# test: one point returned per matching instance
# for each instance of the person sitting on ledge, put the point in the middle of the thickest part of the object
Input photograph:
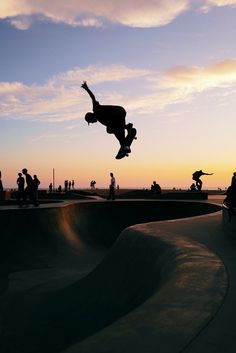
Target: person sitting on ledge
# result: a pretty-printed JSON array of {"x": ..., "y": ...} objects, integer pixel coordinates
[
  {"x": 192, "y": 187},
  {"x": 155, "y": 188}
]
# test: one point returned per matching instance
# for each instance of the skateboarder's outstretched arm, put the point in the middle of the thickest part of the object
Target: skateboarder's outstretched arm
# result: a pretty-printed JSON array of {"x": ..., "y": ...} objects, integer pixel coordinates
[
  {"x": 92, "y": 96},
  {"x": 208, "y": 173}
]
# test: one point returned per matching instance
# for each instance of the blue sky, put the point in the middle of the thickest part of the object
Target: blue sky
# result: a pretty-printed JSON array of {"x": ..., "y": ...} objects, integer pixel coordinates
[{"x": 171, "y": 64}]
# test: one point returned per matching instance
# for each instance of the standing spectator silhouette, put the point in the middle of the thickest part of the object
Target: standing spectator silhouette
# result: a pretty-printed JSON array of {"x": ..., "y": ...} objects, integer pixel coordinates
[
  {"x": 112, "y": 187},
  {"x": 21, "y": 187},
  {"x": 196, "y": 177},
  {"x": 73, "y": 184},
  {"x": 36, "y": 183},
  {"x": 50, "y": 187},
  {"x": 29, "y": 190}
]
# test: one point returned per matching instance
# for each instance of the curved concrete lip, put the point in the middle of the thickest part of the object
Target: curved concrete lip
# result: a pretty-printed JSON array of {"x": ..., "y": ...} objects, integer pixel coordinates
[{"x": 154, "y": 288}]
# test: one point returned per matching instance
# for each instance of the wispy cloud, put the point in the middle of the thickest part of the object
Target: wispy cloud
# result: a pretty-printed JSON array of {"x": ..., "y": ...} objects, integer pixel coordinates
[
  {"x": 196, "y": 78},
  {"x": 208, "y": 4},
  {"x": 62, "y": 99}
]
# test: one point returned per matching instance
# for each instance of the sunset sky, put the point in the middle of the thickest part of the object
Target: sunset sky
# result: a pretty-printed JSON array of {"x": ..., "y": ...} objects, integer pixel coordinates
[{"x": 170, "y": 63}]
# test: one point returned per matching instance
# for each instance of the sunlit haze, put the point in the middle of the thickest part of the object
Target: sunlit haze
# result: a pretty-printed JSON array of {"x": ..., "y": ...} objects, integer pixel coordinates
[{"x": 170, "y": 63}]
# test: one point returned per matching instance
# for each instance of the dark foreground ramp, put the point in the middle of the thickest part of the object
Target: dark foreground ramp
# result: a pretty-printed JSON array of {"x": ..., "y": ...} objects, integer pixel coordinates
[{"x": 58, "y": 288}]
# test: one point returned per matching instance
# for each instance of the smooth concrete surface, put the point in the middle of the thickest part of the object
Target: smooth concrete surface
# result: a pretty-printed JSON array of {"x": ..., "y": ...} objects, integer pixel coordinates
[
  {"x": 229, "y": 219},
  {"x": 69, "y": 275}
]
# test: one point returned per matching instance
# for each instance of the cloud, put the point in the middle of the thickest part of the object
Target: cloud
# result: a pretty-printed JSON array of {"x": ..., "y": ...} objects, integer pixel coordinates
[
  {"x": 62, "y": 99},
  {"x": 221, "y": 74},
  {"x": 208, "y": 4},
  {"x": 133, "y": 13},
  {"x": 220, "y": 3}
]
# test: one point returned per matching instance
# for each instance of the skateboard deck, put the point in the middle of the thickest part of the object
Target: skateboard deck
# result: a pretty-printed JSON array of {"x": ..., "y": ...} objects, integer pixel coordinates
[{"x": 128, "y": 142}]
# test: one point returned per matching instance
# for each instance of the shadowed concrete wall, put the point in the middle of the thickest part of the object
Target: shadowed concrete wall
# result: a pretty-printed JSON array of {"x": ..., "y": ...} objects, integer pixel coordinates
[
  {"x": 27, "y": 233},
  {"x": 229, "y": 218},
  {"x": 142, "y": 263}
]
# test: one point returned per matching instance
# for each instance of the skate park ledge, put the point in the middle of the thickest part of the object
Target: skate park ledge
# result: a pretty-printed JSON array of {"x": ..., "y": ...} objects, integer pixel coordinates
[{"x": 153, "y": 290}]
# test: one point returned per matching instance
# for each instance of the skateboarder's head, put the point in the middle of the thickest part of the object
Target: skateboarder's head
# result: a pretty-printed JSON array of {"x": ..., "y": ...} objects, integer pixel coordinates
[
  {"x": 90, "y": 118},
  {"x": 24, "y": 171}
]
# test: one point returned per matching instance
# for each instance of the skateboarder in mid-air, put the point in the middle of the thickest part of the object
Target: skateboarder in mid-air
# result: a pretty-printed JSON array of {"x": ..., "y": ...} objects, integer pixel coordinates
[
  {"x": 113, "y": 117},
  {"x": 196, "y": 178}
]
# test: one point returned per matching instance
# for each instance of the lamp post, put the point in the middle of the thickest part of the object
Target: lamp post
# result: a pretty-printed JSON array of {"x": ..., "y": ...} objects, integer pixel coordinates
[{"x": 53, "y": 179}]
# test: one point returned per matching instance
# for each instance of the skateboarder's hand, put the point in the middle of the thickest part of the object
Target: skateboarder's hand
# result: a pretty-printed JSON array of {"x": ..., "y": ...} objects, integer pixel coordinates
[{"x": 84, "y": 85}]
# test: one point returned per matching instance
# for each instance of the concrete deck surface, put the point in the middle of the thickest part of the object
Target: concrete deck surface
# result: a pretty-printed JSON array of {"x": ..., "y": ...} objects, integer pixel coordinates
[{"x": 73, "y": 267}]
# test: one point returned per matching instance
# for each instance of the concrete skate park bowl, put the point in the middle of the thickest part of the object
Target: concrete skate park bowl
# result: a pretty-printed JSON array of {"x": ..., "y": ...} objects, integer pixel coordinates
[{"x": 101, "y": 276}]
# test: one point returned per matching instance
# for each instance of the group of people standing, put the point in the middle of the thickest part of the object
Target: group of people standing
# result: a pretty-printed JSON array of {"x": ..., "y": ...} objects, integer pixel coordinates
[{"x": 27, "y": 188}]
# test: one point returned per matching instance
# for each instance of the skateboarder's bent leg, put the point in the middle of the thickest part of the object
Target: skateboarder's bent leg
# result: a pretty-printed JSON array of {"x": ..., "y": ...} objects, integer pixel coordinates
[{"x": 120, "y": 135}]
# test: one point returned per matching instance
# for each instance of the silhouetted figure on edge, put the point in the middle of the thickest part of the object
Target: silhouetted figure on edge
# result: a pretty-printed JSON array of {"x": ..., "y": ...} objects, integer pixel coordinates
[
  {"x": 155, "y": 188},
  {"x": 233, "y": 180},
  {"x": 50, "y": 187},
  {"x": 112, "y": 116},
  {"x": 29, "y": 189},
  {"x": 21, "y": 189},
  {"x": 196, "y": 177},
  {"x": 230, "y": 200},
  {"x": 1, "y": 186},
  {"x": 112, "y": 187}
]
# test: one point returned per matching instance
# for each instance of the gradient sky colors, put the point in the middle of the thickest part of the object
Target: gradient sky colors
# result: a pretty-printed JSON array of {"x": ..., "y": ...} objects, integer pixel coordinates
[{"x": 170, "y": 63}]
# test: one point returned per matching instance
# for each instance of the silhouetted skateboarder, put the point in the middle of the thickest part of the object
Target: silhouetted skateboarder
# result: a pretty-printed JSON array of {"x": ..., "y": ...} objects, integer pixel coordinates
[
  {"x": 113, "y": 117},
  {"x": 196, "y": 178}
]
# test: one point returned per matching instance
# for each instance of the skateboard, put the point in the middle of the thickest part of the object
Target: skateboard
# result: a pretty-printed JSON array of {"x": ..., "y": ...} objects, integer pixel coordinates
[{"x": 128, "y": 142}]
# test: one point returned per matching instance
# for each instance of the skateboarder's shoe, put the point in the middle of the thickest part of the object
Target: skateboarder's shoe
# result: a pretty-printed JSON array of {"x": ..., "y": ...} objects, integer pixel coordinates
[
  {"x": 124, "y": 151},
  {"x": 129, "y": 128},
  {"x": 127, "y": 149},
  {"x": 121, "y": 155}
]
